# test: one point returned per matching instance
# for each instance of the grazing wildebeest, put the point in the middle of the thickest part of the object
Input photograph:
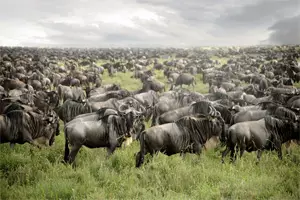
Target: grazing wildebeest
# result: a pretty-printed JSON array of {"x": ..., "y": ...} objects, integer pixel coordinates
[
  {"x": 268, "y": 133},
  {"x": 188, "y": 134},
  {"x": 109, "y": 131},
  {"x": 184, "y": 79},
  {"x": 19, "y": 126}
]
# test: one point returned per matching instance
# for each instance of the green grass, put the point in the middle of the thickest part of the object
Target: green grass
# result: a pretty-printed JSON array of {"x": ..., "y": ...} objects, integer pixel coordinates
[
  {"x": 29, "y": 173},
  {"x": 133, "y": 84}
]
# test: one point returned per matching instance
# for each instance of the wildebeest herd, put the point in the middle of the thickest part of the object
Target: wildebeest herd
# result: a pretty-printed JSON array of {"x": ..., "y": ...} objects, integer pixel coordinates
[{"x": 252, "y": 103}]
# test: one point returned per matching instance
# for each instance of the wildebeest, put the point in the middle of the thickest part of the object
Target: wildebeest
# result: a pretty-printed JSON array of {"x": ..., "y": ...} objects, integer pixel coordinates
[
  {"x": 184, "y": 79},
  {"x": 265, "y": 134},
  {"x": 70, "y": 109},
  {"x": 200, "y": 107},
  {"x": 188, "y": 134},
  {"x": 109, "y": 131},
  {"x": 19, "y": 126},
  {"x": 170, "y": 102},
  {"x": 118, "y": 94}
]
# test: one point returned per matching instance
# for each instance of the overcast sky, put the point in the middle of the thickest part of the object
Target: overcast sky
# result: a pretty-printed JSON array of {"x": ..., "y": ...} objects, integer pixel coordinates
[{"x": 148, "y": 23}]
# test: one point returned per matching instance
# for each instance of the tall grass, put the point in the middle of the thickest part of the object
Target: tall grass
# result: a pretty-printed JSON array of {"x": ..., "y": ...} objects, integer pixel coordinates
[{"x": 30, "y": 173}]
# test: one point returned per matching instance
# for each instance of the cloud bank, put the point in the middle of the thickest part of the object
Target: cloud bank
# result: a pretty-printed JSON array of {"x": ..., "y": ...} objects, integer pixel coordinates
[{"x": 148, "y": 23}]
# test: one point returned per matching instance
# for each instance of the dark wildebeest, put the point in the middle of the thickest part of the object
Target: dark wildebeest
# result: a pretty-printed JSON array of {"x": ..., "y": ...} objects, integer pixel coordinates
[
  {"x": 188, "y": 134},
  {"x": 152, "y": 84},
  {"x": 268, "y": 133},
  {"x": 171, "y": 102},
  {"x": 19, "y": 126},
  {"x": 10, "y": 84},
  {"x": 148, "y": 100},
  {"x": 103, "y": 89},
  {"x": 109, "y": 131},
  {"x": 201, "y": 107},
  {"x": 118, "y": 94},
  {"x": 70, "y": 109},
  {"x": 184, "y": 79}
]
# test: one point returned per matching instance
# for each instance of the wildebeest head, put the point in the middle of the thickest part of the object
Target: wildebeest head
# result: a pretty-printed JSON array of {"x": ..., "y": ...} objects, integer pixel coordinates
[
  {"x": 219, "y": 122},
  {"x": 130, "y": 115},
  {"x": 51, "y": 122}
]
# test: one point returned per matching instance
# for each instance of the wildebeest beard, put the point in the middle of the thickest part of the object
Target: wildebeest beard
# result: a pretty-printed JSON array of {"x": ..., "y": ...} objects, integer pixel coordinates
[
  {"x": 196, "y": 130},
  {"x": 118, "y": 123}
]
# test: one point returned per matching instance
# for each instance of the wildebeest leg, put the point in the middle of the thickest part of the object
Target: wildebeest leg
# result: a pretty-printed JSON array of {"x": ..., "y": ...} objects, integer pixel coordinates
[
  {"x": 224, "y": 153},
  {"x": 259, "y": 152},
  {"x": 12, "y": 145},
  {"x": 182, "y": 154},
  {"x": 232, "y": 154},
  {"x": 242, "y": 149},
  {"x": 110, "y": 150},
  {"x": 278, "y": 147},
  {"x": 73, "y": 153},
  {"x": 113, "y": 141},
  {"x": 288, "y": 147},
  {"x": 197, "y": 149},
  {"x": 139, "y": 159}
]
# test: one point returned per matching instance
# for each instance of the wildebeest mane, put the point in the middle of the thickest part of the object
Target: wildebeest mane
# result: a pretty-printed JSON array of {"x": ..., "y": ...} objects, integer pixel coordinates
[
  {"x": 198, "y": 129},
  {"x": 101, "y": 113},
  {"x": 285, "y": 113},
  {"x": 70, "y": 109},
  {"x": 201, "y": 107},
  {"x": 280, "y": 131},
  {"x": 114, "y": 95},
  {"x": 294, "y": 98},
  {"x": 225, "y": 113},
  {"x": 119, "y": 125},
  {"x": 12, "y": 107},
  {"x": 34, "y": 124},
  {"x": 179, "y": 97},
  {"x": 13, "y": 117}
]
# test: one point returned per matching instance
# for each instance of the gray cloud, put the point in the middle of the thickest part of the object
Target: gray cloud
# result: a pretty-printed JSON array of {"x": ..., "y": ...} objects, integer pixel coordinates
[
  {"x": 93, "y": 23},
  {"x": 286, "y": 31}
]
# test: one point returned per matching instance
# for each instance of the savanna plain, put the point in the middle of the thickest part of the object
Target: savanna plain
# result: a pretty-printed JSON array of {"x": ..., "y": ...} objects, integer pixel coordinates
[{"x": 29, "y": 173}]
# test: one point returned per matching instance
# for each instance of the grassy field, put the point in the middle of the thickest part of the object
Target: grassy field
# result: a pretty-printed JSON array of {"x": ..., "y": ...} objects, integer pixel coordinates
[{"x": 29, "y": 173}]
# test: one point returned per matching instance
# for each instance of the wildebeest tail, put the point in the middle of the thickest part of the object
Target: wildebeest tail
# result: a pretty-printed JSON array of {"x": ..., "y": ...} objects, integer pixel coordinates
[
  {"x": 139, "y": 159},
  {"x": 67, "y": 150},
  {"x": 194, "y": 80},
  {"x": 154, "y": 116},
  {"x": 231, "y": 120}
]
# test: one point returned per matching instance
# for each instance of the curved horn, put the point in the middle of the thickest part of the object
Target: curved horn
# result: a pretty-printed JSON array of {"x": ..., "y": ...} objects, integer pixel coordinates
[
  {"x": 143, "y": 109},
  {"x": 210, "y": 110},
  {"x": 137, "y": 113},
  {"x": 120, "y": 108}
]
